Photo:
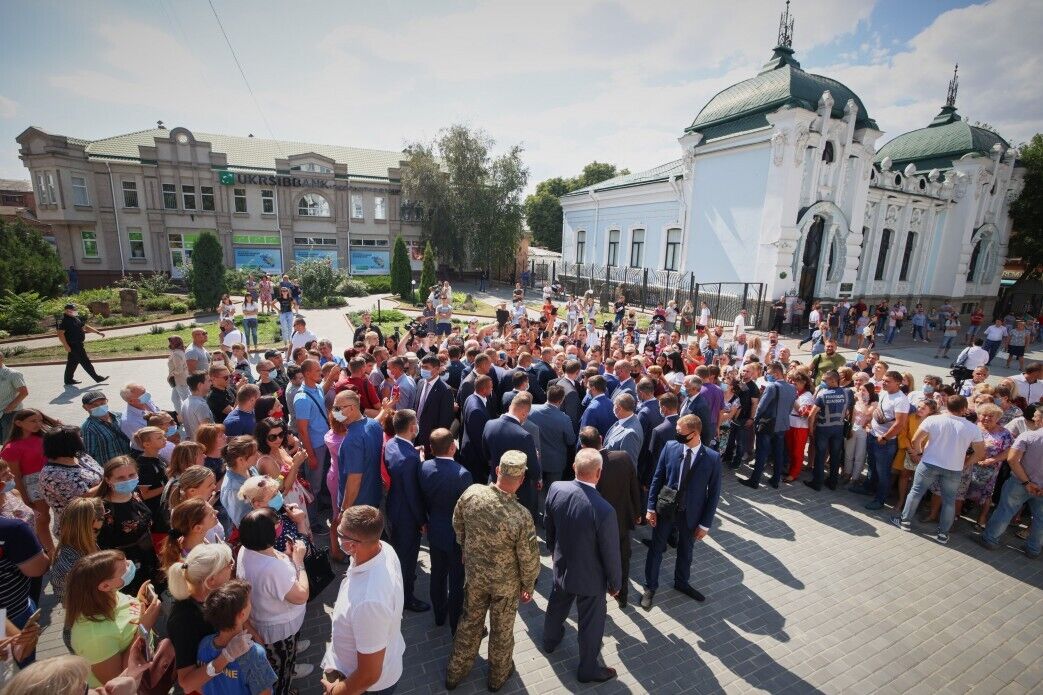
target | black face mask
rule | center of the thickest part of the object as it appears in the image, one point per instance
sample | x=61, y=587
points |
x=683, y=438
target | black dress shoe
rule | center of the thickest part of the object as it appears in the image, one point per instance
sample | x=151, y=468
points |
x=813, y=485
x=417, y=606
x=831, y=484
x=774, y=483
x=439, y=621
x=72, y=383
x=646, y=599
x=605, y=674
x=690, y=591
x=622, y=600
x=549, y=648
x=747, y=482
x=100, y=379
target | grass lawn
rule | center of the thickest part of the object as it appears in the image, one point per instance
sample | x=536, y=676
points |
x=146, y=345
x=481, y=308
x=392, y=320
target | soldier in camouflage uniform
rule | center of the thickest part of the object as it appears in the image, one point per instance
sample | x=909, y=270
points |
x=501, y=562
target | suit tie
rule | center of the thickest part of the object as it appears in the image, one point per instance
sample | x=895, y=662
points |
x=423, y=398
x=682, y=485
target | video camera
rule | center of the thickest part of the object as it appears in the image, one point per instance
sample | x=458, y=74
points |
x=417, y=328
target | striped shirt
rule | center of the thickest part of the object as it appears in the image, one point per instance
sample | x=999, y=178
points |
x=104, y=440
x=18, y=544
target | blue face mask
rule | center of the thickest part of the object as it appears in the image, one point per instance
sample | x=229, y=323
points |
x=126, y=487
x=100, y=411
x=425, y=374
x=128, y=575
x=928, y=389
x=276, y=502
x=9, y=485
x=859, y=357
x=171, y=431
x=146, y=398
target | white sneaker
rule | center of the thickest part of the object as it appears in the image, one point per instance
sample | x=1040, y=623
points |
x=302, y=645
x=302, y=670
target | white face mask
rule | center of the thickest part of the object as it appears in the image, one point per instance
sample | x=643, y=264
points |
x=339, y=416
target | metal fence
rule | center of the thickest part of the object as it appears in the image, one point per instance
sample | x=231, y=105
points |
x=646, y=288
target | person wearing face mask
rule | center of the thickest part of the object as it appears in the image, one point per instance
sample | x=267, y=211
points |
x=103, y=435
x=139, y=406
x=72, y=331
x=259, y=492
x=434, y=405
x=77, y=538
x=405, y=507
x=152, y=473
x=128, y=522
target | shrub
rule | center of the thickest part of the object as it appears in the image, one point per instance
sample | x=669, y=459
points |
x=13, y=350
x=377, y=284
x=235, y=280
x=4, y=334
x=318, y=280
x=353, y=287
x=208, y=271
x=178, y=308
x=20, y=313
x=148, y=286
x=427, y=275
x=27, y=262
x=386, y=316
x=160, y=303
x=157, y=330
x=178, y=327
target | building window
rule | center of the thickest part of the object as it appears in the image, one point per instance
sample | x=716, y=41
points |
x=206, y=193
x=637, y=248
x=52, y=196
x=267, y=201
x=89, y=239
x=613, y=248
x=972, y=268
x=356, y=207
x=130, y=194
x=169, y=196
x=673, y=249
x=137, y=243
x=41, y=186
x=314, y=168
x=881, y=257
x=188, y=197
x=581, y=245
x=313, y=205
x=239, y=194
x=827, y=153
x=379, y=209
x=79, y=191
x=314, y=241
x=907, y=256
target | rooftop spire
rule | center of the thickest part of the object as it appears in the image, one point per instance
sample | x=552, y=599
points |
x=954, y=84
x=785, y=28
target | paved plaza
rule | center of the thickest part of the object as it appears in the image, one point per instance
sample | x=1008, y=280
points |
x=806, y=593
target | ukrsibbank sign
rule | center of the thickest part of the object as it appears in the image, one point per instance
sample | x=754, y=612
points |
x=231, y=178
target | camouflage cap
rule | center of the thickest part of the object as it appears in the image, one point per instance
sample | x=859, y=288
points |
x=513, y=463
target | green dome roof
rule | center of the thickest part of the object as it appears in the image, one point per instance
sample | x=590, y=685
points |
x=947, y=138
x=781, y=83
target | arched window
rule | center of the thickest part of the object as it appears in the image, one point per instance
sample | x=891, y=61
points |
x=581, y=245
x=831, y=259
x=881, y=257
x=827, y=153
x=313, y=205
x=972, y=269
x=673, y=249
x=907, y=256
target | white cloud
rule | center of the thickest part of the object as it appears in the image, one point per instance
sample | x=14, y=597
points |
x=8, y=107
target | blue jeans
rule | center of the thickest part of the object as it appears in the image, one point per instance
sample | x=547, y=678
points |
x=1012, y=496
x=774, y=441
x=6, y=424
x=250, y=331
x=19, y=620
x=991, y=347
x=880, y=458
x=917, y=331
x=286, y=324
x=828, y=440
x=891, y=334
x=946, y=343
x=925, y=476
x=481, y=284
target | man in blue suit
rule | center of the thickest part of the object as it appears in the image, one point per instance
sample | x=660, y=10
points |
x=696, y=404
x=599, y=413
x=454, y=371
x=694, y=472
x=434, y=400
x=650, y=417
x=539, y=394
x=573, y=392
x=556, y=436
x=442, y=481
x=541, y=367
x=519, y=382
x=626, y=382
x=583, y=537
x=625, y=434
x=405, y=503
x=773, y=411
x=661, y=434
x=473, y=456
x=506, y=433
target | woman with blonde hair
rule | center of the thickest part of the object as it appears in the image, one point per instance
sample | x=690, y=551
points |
x=177, y=371
x=69, y=673
x=198, y=482
x=77, y=537
x=259, y=492
x=192, y=523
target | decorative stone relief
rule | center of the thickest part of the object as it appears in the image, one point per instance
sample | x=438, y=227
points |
x=959, y=185
x=916, y=218
x=892, y=216
x=689, y=159
x=870, y=214
x=778, y=147
x=800, y=142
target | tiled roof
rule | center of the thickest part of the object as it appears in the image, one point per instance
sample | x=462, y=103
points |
x=251, y=153
x=15, y=185
x=947, y=138
x=655, y=174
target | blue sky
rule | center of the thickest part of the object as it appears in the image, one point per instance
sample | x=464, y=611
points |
x=571, y=82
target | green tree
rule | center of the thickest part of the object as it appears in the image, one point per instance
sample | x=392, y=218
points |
x=1026, y=242
x=543, y=208
x=207, y=282
x=472, y=200
x=319, y=281
x=401, y=273
x=427, y=273
x=27, y=262
x=596, y=172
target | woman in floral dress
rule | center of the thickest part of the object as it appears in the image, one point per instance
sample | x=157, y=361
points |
x=998, y=441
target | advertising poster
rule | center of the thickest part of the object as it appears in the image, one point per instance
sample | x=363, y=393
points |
x=261, y=260
x=370, y=262
x=330, y=255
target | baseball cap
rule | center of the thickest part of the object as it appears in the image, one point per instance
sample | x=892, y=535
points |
x=513, y=463
x=92, y=396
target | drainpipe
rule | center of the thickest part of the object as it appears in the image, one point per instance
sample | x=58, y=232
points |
x=116, y=216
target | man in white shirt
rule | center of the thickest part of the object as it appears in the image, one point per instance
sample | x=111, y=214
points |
x=882, y=443
x=973, y=356
x=994, y=337
x=139, y=405
x=940, y=449
x=365, y=651
x=813, y=318
x=1030, y=386
x=300, y=337
x=739, y=325
x=230, y=335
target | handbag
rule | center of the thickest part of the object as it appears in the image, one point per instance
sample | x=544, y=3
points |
x=764, y=425
x=320, y=572
x=666, y=502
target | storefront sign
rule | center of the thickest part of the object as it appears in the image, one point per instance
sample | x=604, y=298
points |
x=330, y=255
x=370, y=262
x=229, y=178
x=261, y=260
x=256, y=239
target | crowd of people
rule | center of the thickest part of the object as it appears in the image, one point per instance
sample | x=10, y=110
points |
x=185, y=545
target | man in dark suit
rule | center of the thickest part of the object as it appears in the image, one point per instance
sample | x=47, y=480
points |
x=664, y=432
x=773, y=410
x=539, y=393
x=404, y=501
x=695, y=403
x=620, y=487
x=434, y=401
x=626, y=381
x=482, y=366
x=556, y=436
x=573, y=392
x=543, y=369
x=599, y=411
x=583, y=538
x=475, y=415
x=648, y=415
x=694, y=472
x=442, y=481
x=506, y=433
x=454, y=371
x=520, y=382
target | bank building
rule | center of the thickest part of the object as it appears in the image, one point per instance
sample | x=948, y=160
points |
x=136, y=203
x=780, y=182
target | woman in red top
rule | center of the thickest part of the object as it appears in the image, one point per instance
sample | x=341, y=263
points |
x=977, y=316
x=24, y=451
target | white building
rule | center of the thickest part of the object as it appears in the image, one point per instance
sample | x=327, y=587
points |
x=779, y=183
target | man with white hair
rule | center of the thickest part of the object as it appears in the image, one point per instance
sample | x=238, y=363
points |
x=583, y=539
x=626, y=433
x=139, y=406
